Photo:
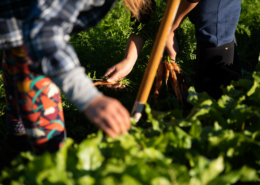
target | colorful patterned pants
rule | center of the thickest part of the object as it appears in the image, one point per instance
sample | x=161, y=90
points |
x=33, y=103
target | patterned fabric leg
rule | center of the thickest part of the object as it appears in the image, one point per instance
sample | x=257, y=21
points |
x=39, y=103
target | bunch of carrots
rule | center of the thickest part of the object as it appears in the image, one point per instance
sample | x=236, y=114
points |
x=177, y=79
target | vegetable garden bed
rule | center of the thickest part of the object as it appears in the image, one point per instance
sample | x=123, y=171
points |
x=204, y=142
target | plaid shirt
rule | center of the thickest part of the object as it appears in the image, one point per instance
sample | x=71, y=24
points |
x=44, y=27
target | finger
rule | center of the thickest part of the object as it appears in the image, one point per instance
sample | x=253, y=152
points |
x=114, y=77
x=126, y=118
x=106, y=129
x=111, y=122
x=116, y=86
x=119, y=117
x=109, y=71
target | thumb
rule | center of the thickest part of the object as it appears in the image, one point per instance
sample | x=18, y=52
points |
x=113, y=77
x=109, y=71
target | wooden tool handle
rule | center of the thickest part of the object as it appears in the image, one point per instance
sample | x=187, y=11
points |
x=155, y=57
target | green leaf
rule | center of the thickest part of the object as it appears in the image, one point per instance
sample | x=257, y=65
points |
x=229, y=178
x=61, y=155
x=244, y=83
x=227, y=103
x=86, y=180
x=129, y=180
x=90, y=157
x=126, y=141
x=196, y=129
x=111, y=180
x=155, y=123
x=160, y=181
x=113, y=166
x=151, y=154
x=256, y=76
x=253, y=89
x=248, y=174
x=210, y=170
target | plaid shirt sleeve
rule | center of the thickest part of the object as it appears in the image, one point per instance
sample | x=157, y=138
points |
x=12, y=12
x=46, y=32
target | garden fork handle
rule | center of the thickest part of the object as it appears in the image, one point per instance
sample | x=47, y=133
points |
x=155, y=57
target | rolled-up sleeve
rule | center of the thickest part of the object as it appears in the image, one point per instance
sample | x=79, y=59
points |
x=46, y=34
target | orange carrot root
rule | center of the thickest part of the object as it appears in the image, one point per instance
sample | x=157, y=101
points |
x=159, y=79
x=176, y=67
x=177, y=80
x=183, y=82
x=104, y=83
x=175, y=85
x=168, y=67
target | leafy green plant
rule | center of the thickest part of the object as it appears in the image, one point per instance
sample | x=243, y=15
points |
x=247, y=35
x=216, y=142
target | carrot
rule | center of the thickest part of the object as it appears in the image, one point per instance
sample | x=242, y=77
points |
x=168, y=67
x=176, y=67
x=183, y=82
x=181, y=79
x=175, y=85
x=183, y=85
x=159, y=79
x=104, y=83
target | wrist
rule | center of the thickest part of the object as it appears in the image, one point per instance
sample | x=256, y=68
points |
x=130, y=61
x=172, y=57
x=93, y=101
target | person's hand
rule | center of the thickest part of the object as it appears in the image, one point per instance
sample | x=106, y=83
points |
x=172, y=47
x=119, y=71
x=109, y=114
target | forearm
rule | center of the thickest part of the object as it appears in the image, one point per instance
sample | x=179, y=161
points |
x=184, y=9
x=134, y=46
x=77, y=87
x=172, y=46
x=47, y=41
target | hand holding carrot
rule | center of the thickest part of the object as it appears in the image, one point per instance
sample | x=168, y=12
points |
x=119, y=71
x=109, y=114
x=122, y=69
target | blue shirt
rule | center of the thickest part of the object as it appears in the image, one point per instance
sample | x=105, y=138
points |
x=215, y=20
